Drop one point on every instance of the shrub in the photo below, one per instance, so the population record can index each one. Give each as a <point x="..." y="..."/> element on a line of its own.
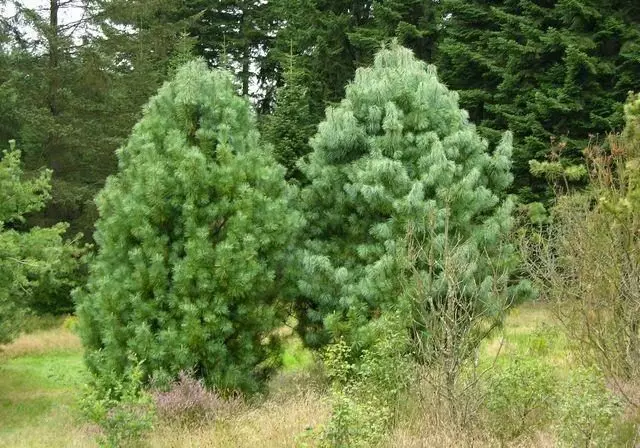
<point x="193" y="239"/>
<point x="31" y="259"/>
<point x="120" y="406"/>
<point x="519" y="398"/>
<point x="588" y="411"/>
<point x="366" y="388"/>
<point x="188" y="401"/>
<point x="587" y="260"/>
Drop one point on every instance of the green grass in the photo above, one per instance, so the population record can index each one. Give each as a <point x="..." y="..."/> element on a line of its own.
<point x="39" y="387"/>
<point x="295" y="357"/>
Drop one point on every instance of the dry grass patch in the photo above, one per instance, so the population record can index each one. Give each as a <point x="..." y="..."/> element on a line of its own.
<point x="274" y="423"/>
<point x="60" y="429"/>
<point x="42" y="342"/>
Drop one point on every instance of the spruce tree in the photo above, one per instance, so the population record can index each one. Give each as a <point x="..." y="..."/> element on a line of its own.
<point x="333" y="38"/>
<point x="192" y="242"/>
<point x="551" y="72"/>
<point x="398" y="156"/>
<point x="291" y="124"/>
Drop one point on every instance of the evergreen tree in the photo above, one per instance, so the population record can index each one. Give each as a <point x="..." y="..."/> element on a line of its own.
<point x="192" y="240"/>
<point x="72" y="98"/>
<point x="237" y="35"/>
<point x="554" y="71"/>
<point x="331" y="39"/>
<point x="30" y="261"/>
<point x="398" y="156"/>
<point x="291" y="124"/>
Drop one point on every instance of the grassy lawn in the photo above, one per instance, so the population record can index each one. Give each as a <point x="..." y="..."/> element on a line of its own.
<point x="42" y="375"/>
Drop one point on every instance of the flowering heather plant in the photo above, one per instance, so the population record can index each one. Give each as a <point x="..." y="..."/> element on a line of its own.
<point x="188" y="400"/>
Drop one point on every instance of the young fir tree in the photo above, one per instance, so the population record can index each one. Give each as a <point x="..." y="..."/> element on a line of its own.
<point x="399" y="156"/>
<point x="192" y="239"/>
<point x="291" y="124"/>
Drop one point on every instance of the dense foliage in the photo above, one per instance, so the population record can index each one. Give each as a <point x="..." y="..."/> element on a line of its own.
<point x="399" y="241"/>
<point x="36" y="266"/>
<point x="557" y="69"/>
<point x="291" y="124"/>
<point x="547" y="71"/>
<point x="398" y="157"/>
<point x="192" y="240"/>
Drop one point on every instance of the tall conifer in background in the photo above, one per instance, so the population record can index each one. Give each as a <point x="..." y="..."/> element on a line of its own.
<point x="333" y="38"/>
<point x="555" y="70"/>
<point x="399" y="156"/>
<point x="291" y="124"/>
<point x="192" y="239"/>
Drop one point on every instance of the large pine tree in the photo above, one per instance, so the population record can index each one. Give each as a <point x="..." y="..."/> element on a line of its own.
<point x="398" y="156"/>
<point x="192" y="240"/>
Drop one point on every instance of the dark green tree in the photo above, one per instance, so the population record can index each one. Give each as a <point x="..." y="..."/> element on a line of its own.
<point x="552" y="72"/>
<point x="193" y="236"/>
<point x="73" y="98"/>
<point x="31" y="262"/>
<point x="397" y="158"/>
<point x="237" y="35"/>
<point x="331" y="39"/>
<point x="291" y="124"/>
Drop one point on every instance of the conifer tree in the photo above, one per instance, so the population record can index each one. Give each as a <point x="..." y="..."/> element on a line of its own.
<point x="557" y="69"/>
<point x="291" y="124"/>
<point x="399" y="156"/>
<point x="192" y="239"/>
<point x="334" y="38"/>
<point x="29" y="260"/>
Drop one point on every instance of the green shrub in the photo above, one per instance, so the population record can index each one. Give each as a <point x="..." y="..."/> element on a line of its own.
<point x="366" y="387"/>
<point x="30" y="261"/>
<point x="587" y="411"/>
<point x="70" y="323"/>
<point x="519" y="397"/>
<point x="121" y="408"/>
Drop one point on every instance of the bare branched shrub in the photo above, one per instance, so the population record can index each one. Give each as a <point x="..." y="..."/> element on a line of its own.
<point x="453" y="313"/>
<point x="587" y="261"/>
<point x="189" y="401"/>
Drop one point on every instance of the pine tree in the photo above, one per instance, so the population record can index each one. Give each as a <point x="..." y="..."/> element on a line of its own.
<point x="398" y="156"/>
<point x="192" y="242"/>
<point x="29" y="260"/>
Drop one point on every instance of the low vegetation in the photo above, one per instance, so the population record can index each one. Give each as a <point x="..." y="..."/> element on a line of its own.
<point x="43" y="377"/>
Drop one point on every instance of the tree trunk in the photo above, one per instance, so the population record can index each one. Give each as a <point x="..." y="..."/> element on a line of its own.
<point x="54" y="59"/>
<point x="246" y="55"/>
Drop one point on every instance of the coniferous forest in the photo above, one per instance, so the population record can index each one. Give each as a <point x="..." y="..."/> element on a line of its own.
<point x="320" y="223"/>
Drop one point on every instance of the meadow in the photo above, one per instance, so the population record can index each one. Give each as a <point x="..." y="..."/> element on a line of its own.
<point x="42" y="377"/>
